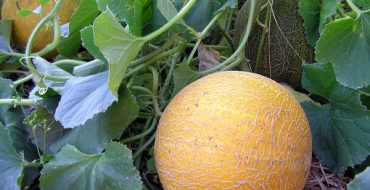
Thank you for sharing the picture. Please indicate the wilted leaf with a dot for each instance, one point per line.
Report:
(207, 58)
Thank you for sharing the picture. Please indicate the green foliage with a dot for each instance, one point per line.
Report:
(316, 14)
(84, 15)
(348, 50)
(118, 47)
(72, 169)
(104, 127)
(82, 98)
(80, 118)
(340, 128)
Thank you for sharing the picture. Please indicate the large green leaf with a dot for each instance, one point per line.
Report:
(13, 173)
(117, 46)
(346, 44)
(73, 169)
(87, 37)
(315, 14)
(84, 15)
(84, 97)
(102, 128)
(133, 12)
(340, 129)
(361, 181)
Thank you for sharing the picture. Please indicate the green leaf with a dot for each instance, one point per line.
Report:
(43, 2)
(365, 4)
(361, 181)
(82, 98)
(117, 46)
(84, 16)
(340, 129)
(182, 76)
(315, 14)
(10, 162)
(230, 4)
(5, 35)
(102, 128)
(128, 11)
(71, 168)
(25, 12)
(202, 13)
(47, 68)
(87, 37)
(346, 44)
(14, 174)
(47, 130)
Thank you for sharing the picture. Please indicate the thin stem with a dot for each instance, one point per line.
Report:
(14, 71)
(169, 75)
(31, 164)
(242, 44)
(33, 35)
(155, 91)
(37, 144)
(151, 61)
(150, 93)
(219, 47)
(70, 62)
(144, 146)
(23, 80)
(227, 37)
(12, 54)
(263, 36)
(201, 37)
(56, 39)
(18, 102)
(173, 21)
(354, 7)
(148, 57)
(143, 134)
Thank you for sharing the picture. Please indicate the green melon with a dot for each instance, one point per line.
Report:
(284, 49)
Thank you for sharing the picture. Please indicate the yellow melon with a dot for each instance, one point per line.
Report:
(233, 130)
(23, 26)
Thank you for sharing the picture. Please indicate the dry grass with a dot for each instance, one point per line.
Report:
(321, 178)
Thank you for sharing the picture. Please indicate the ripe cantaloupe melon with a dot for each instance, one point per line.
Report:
(233, 130)
(23, 26)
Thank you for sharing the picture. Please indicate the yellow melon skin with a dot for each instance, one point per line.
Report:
(23, 26)
(233, 130)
